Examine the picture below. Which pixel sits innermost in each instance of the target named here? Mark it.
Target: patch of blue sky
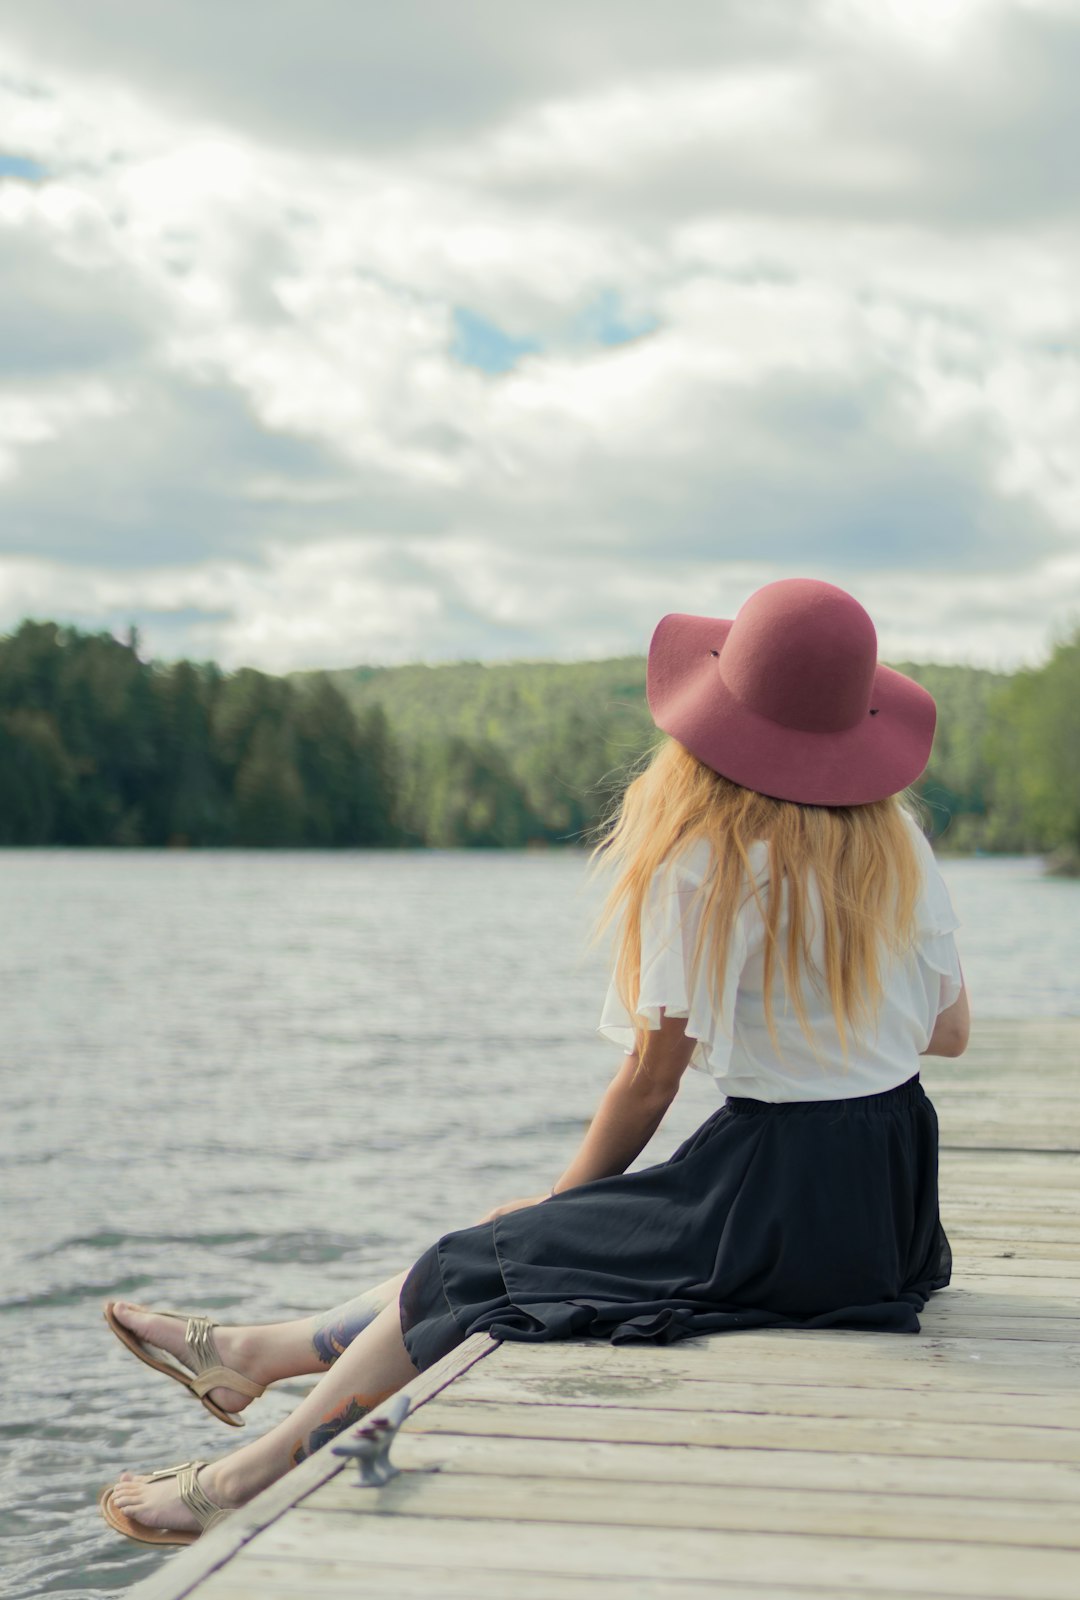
(605, 321)
(20, 167)
(479, 343)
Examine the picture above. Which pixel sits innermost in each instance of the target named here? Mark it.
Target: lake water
(255, 1083)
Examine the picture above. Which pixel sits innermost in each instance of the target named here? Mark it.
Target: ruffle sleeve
(936, 924)
(669, 922)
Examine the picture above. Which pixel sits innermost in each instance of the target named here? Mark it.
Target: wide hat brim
(884, 752)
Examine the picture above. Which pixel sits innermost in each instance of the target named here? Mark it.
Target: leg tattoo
(335, 1422)
(340, 1326)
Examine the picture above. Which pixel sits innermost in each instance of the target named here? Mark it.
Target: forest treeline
(98, 747)
(101, 747)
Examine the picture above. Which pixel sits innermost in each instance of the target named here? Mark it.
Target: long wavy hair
(863, 857)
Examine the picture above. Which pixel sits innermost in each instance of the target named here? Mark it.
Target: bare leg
(373, 1366)
(331, 1333)
(268, 1351)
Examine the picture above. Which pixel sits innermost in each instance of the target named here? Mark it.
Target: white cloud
(927, 27)
(37, 420)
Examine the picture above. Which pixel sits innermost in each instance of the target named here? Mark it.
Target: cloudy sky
(336, 332)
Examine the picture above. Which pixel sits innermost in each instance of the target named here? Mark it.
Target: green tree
(244, 700)
(345, 765)
(465, 795)
(98, 696)
(378, 793)
(34, 775)
(194, 804)
(270, 802)
(1033, 750)
(956, 784)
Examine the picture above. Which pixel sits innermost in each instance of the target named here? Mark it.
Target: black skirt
(797, 1214)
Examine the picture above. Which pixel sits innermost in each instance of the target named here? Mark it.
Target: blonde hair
(864, 859)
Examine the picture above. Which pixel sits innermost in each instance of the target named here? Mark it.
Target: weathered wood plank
(985, 1291)
(961, 1117)
(1033, 1097)
(511, 1456)
(985, 1184)
(1065, 1139)
(673, 1393)
(821, 1358)
(960, 1208)
(901, 1360)
(1024, 1165)
(1024, 1232)
(1055, 1282)
(1060, 1209)
(252, 1578)
(1015, 1322)
(1012, 1257)
(1048, 1227)
(1004, 1176)
(616, 1503)
(877, 1435)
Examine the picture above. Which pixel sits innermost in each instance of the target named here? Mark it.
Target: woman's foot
(158, 1504)
(238, 1348)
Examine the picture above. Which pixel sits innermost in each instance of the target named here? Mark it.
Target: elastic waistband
(885, 1100)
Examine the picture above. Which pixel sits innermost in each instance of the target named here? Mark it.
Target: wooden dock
(772, 1464)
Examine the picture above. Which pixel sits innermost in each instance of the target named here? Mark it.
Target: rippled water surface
(255, 1083)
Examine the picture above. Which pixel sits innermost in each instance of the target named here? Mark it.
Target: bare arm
(952, 1028)
(630, 1113)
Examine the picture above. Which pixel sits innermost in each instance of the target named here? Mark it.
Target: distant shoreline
(99, 748)
(542, 847)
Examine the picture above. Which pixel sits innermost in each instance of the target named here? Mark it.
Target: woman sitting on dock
(784, 928)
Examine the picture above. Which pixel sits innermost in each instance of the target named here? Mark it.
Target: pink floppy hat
(789, 698)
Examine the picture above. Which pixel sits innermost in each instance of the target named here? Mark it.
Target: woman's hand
(511, 1205)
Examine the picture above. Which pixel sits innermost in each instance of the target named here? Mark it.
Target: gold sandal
(198, 1502)
(207, 1372)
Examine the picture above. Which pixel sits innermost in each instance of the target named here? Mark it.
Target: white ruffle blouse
(735, 1048)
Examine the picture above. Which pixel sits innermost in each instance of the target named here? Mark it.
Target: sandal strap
(210, 1371)
(227, 1378)
(173, 1472)
(199, 1334)
(195, 1497)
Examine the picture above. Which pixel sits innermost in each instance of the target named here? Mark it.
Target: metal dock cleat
(369, 1447)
